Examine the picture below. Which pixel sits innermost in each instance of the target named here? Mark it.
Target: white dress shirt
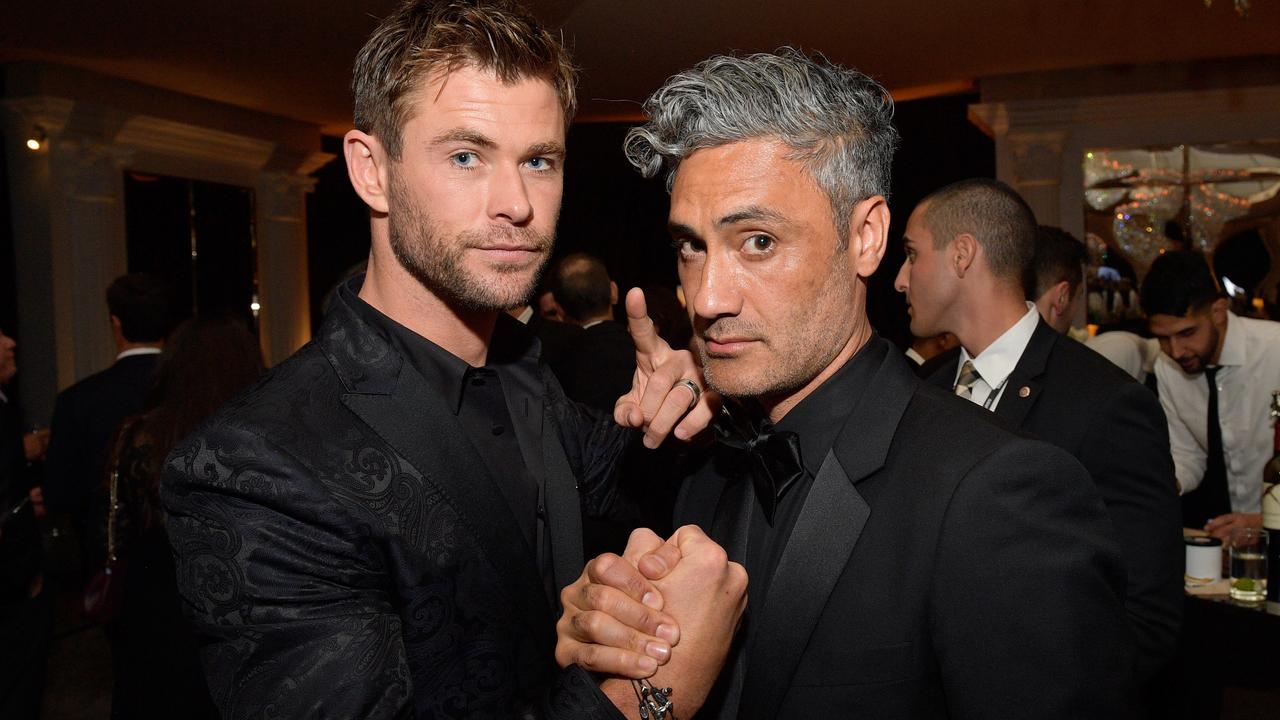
(997, 361)
(914, 356)
(1130, 352)
(1250, 370)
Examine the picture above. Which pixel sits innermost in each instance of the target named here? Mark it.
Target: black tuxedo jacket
(344, 553)
(1069, 395)
(85, 419)
(940, 567)
(558, 340)
(600, 365)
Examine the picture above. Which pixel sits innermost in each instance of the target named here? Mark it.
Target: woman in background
(206, 362)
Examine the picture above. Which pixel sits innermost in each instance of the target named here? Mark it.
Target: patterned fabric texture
(344, 554)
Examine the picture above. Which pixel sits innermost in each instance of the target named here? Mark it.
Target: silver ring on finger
(694, 390)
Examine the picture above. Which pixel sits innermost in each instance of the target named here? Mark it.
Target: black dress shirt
(479, 402)
(817, 419)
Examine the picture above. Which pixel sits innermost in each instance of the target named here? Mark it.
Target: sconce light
(37, 139)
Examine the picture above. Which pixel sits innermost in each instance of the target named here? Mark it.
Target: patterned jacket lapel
(392, 398)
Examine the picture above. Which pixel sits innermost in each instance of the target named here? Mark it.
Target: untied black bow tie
(773, 456)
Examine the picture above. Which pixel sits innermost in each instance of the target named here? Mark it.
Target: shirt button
(497, 429)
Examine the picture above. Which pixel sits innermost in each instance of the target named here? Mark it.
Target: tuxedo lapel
(824, 536)
(393, 399)
(1022, 389)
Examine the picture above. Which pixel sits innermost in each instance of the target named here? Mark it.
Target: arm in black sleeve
(1127, 453)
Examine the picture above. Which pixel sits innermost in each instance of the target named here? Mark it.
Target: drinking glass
(1249, 565)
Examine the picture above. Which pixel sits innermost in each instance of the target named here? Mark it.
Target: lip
(511, 253)
(728, 345)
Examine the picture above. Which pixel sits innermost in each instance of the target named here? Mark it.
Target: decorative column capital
(1037, 157)
(281, 196)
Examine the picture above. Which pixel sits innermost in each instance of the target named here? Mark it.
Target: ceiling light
(37, 139)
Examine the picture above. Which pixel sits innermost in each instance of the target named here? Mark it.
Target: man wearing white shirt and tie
(969, 249)
(1209, 354)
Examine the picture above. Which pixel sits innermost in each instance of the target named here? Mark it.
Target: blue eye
(464, 159)
(539, 163)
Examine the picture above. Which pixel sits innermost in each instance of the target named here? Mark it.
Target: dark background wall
(611, 212)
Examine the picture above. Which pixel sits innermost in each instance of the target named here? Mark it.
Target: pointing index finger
(643, 333)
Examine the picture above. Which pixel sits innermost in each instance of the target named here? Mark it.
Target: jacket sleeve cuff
(576, 696)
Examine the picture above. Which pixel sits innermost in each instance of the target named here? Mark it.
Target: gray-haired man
(907, 558)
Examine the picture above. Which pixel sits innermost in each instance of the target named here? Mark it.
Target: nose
(900, 283)
(508, 196)
(714, 291)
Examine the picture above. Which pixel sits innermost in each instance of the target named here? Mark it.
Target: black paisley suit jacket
(343, 552)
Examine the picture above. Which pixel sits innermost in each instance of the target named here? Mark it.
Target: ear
(1061, 297)
(868, 235)
(613, 293)
(962, 252)
(367, 166)
(1218, 312)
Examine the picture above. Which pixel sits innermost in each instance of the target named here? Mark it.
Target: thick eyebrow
(462, 135)
(752, 212)
(746, 214)
(551, 148)
(681, 230)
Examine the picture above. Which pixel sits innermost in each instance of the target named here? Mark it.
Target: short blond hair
(422, 37)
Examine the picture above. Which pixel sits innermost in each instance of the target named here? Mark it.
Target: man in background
(1215, 375)
(87, 414)
(969, 247)
(1057, 281)
(603, 359)
(25, 607)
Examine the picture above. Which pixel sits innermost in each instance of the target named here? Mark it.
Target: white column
(68, 222)
(281, 238)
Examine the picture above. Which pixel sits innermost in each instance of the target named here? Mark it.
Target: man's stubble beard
(803, 358)
(438, 263)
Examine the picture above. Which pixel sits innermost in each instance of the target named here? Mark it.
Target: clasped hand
(674, 603)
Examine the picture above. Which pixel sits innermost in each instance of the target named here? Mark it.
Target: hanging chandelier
(1242, 6)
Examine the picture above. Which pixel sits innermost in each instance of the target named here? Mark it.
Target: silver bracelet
(655, 703)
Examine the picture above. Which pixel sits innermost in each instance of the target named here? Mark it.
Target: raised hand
(661, 400)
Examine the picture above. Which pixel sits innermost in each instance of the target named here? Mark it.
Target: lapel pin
(1024, 391)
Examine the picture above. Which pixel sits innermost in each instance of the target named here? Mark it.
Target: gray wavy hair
(838, 121)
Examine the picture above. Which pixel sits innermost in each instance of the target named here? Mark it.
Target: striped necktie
(968, 376)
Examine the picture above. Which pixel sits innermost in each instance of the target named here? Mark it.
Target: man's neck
(390, 289)
(1222, 342)
(596, 319)
(984, 322)
(777, 408)
(123, 346)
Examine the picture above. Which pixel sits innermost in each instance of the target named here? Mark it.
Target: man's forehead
(1164, 324)
(715, 182)
(473, 95)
